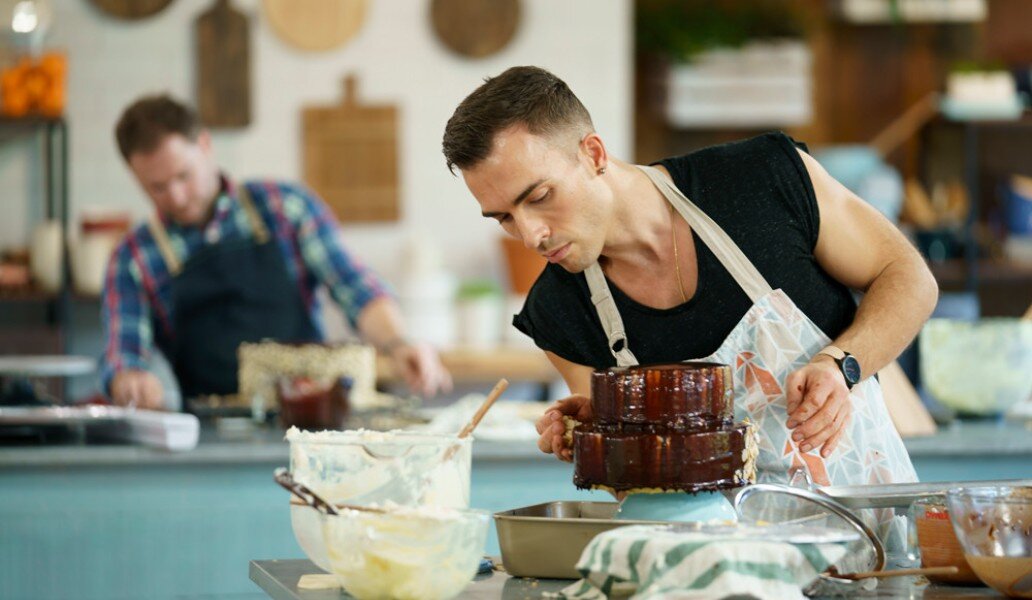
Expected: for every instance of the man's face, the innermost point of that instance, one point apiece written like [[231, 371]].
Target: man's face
[[544, 192], [180, 177]]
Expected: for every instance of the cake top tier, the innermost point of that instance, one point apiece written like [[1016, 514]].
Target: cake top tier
[[682, 395]]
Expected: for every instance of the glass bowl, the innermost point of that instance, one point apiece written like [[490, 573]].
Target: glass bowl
[[367, 468], [994, 526], [420, 553]]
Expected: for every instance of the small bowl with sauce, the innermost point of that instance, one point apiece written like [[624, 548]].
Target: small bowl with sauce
[[994, 527]]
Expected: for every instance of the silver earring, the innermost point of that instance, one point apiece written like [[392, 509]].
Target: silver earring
[[602, 171]]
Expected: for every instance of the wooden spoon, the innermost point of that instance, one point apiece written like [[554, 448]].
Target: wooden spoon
[[933, 571], [477, 416]]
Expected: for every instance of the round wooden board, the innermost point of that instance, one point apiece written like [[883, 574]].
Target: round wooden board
[[475, 28], [131, 10], [316, 25]]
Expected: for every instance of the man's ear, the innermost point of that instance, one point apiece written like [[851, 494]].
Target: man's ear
[[594, 150]]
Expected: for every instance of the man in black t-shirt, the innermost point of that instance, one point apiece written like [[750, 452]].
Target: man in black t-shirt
[[528, 152]]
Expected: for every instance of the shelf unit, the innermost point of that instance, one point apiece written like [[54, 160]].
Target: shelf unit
[[53, 136], [986, 152]]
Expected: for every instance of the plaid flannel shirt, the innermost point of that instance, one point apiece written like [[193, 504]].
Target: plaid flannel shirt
[[136, 307]]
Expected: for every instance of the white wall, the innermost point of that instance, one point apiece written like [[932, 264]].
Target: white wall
[[397, 58]]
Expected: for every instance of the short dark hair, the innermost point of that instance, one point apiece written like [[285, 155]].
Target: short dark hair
[[529, 96], [149, 119]]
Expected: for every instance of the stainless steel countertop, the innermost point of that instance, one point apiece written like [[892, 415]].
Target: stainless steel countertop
[[266, 446], [278, 578]]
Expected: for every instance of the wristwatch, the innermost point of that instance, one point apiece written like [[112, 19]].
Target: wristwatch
[[847, 363]]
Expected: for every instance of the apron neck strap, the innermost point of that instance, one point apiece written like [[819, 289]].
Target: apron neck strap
[[261, 232], [160, 236], [612, 324], [722, 246]]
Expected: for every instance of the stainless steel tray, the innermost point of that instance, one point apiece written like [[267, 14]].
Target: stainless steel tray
[[902, 495], [61, 415], [546, 540]]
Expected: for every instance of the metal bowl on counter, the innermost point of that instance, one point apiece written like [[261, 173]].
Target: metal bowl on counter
[[404, 552], [372, 468], [994, 526]]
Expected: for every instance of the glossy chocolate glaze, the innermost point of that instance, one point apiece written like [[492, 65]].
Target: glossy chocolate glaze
[[683, 396], [684, 461]]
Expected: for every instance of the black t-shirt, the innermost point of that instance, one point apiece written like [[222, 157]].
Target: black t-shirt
[[759, 193]]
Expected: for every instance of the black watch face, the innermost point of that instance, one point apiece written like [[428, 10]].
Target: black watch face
[[851, 370]]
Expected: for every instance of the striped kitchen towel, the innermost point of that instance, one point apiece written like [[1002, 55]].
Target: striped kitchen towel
[[649, 562]]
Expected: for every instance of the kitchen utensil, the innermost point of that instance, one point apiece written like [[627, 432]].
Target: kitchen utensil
[[407, 552], [994, 526], [307, 403], [315, 25], [979, 368], [283, 477], [350, 157], [546, 540], [938, 542], [47, 365], [475, 28], [223, 66], [924, 571], [496, 391], [131, 10], [902, 495], [373, 467], [782, 504]]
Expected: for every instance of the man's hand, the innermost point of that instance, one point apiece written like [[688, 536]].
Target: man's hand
[[550, 426], [818, 405], [421, 367], [137, 388]]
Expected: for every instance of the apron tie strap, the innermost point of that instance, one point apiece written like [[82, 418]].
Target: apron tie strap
[[164, 244]]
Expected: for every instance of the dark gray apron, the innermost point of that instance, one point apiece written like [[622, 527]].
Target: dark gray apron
[[225, 294]]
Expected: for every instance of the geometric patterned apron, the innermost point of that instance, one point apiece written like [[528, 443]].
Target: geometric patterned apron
[[772, 340]]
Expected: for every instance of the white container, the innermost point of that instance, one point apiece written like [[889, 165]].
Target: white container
[[480, 321], [760, 84], [46, 262], [428, 304], [90, 255]]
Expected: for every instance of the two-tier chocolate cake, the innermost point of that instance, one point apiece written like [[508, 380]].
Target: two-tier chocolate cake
[[663, 428]]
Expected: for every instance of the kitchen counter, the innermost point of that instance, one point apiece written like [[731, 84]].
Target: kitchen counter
[[183, 524], [278, 578], [974, 440]]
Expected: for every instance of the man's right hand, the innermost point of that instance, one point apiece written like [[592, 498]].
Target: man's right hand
[[551, 427], [137, 388]]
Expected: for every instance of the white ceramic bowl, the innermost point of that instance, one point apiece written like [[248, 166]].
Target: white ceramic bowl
[[423, 553]]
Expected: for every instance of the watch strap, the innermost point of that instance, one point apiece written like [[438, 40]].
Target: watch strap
[[834, 352]]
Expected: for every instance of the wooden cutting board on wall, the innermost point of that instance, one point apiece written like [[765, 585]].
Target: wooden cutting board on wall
[[475, 28], [350, 156], [223, 66], [315, 25], [131, 9]]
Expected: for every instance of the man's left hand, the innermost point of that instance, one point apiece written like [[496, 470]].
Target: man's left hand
[[818, 405], [419, 364]]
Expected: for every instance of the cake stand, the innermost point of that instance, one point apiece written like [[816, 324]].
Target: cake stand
[[704, 506]]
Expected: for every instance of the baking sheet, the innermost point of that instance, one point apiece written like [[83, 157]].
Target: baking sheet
[[61, 415], [546, 540], [902, 495]]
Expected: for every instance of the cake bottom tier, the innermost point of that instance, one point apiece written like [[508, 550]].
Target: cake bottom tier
[[664, 461]]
